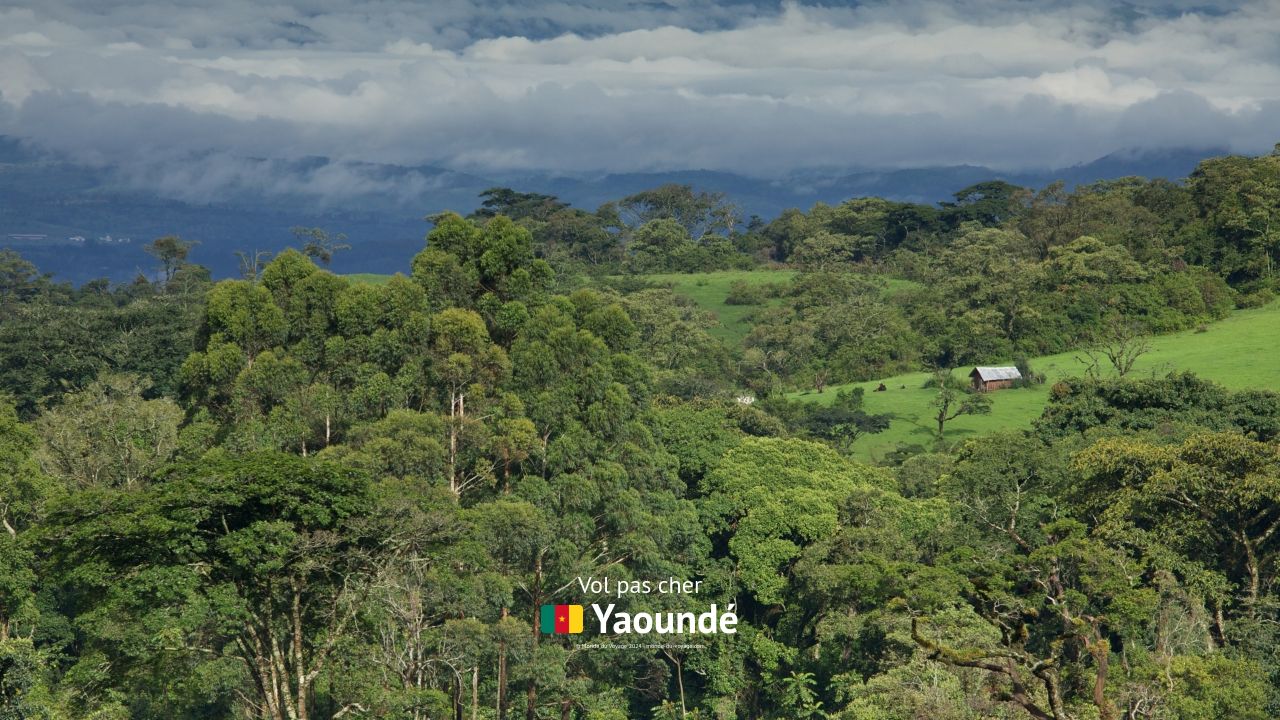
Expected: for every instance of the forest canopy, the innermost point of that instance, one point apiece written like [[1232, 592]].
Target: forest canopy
[[295, 494]]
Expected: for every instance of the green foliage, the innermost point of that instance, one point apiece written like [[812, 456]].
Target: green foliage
[[1238, 201], [171, 251], [108, 435], [57, 340], [352, 498], [1181, 400], [469, 266], [245, 563], [754, 490], [1216, 687], [24, 693]]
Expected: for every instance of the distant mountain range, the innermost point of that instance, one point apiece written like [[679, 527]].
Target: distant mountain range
[[81, 221]]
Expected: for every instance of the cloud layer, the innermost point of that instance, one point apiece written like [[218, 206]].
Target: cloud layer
[[749, 87]]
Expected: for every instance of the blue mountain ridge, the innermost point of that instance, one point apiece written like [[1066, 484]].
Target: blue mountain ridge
[[250, 204]]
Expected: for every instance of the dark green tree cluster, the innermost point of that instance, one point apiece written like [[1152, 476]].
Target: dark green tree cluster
[[55, 338], [670, 228]]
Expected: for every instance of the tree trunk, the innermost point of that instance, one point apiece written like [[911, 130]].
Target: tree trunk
[[531, 694], [680, 685], [298, 661], [1251, 566], [457, 696], [457, 413], [502, 675], [1100, 649]]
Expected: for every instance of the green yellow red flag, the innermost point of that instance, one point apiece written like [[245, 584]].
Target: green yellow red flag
[[560, 619]]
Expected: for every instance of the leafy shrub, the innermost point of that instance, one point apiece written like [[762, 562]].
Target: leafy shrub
[[1030, 378], [1256, 299], [742, 292]]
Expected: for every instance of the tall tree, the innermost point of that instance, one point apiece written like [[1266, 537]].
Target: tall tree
[[256, 563], [108, 435], [698, 212], [171, 251], [318, 244]]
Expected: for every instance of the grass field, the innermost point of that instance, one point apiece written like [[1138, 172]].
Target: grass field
[[369, 278], [709, 290], [1242, 351]]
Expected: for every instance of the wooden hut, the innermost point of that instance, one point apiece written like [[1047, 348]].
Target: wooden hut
[[986, 379]]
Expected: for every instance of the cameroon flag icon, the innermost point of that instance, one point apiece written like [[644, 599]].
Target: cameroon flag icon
[[560, 619]]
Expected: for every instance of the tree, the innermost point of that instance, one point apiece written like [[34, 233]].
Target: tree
[[108, 435], [517, 205], [50, 344], [844, 421], [824, 251], [319, 244], [1122, 342], [751, 496], [577, 234], [23, 493], [987, 271], [1056, 597], [19, 279], [1239, 199], [251, 263], [171, 251], [24, 692], [1179, 400], [1210, 497], [1056, 609], [466, 363], [655, 245], [698, 212], [465, 265], [257, 562], [951, 402], [246, 314], [991, 203]]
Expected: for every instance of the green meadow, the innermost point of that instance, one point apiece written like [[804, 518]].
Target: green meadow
[[1242, 351], [709, 289], [369, 278]]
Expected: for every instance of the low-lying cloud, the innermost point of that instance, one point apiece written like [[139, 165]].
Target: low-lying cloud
[[755, 88]]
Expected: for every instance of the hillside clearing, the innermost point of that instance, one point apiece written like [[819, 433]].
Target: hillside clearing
[[709, 290], [369, 278], [1242, 351]]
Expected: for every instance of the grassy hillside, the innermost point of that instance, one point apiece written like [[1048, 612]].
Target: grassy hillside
[[1242, 351], [709, 290], [370, 278]]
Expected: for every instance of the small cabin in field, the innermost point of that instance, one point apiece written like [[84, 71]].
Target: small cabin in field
[[986, 379]]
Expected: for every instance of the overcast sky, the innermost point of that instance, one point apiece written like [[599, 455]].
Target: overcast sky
[[755, 87]]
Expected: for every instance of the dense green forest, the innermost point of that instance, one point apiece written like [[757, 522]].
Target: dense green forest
[[298, 495]]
